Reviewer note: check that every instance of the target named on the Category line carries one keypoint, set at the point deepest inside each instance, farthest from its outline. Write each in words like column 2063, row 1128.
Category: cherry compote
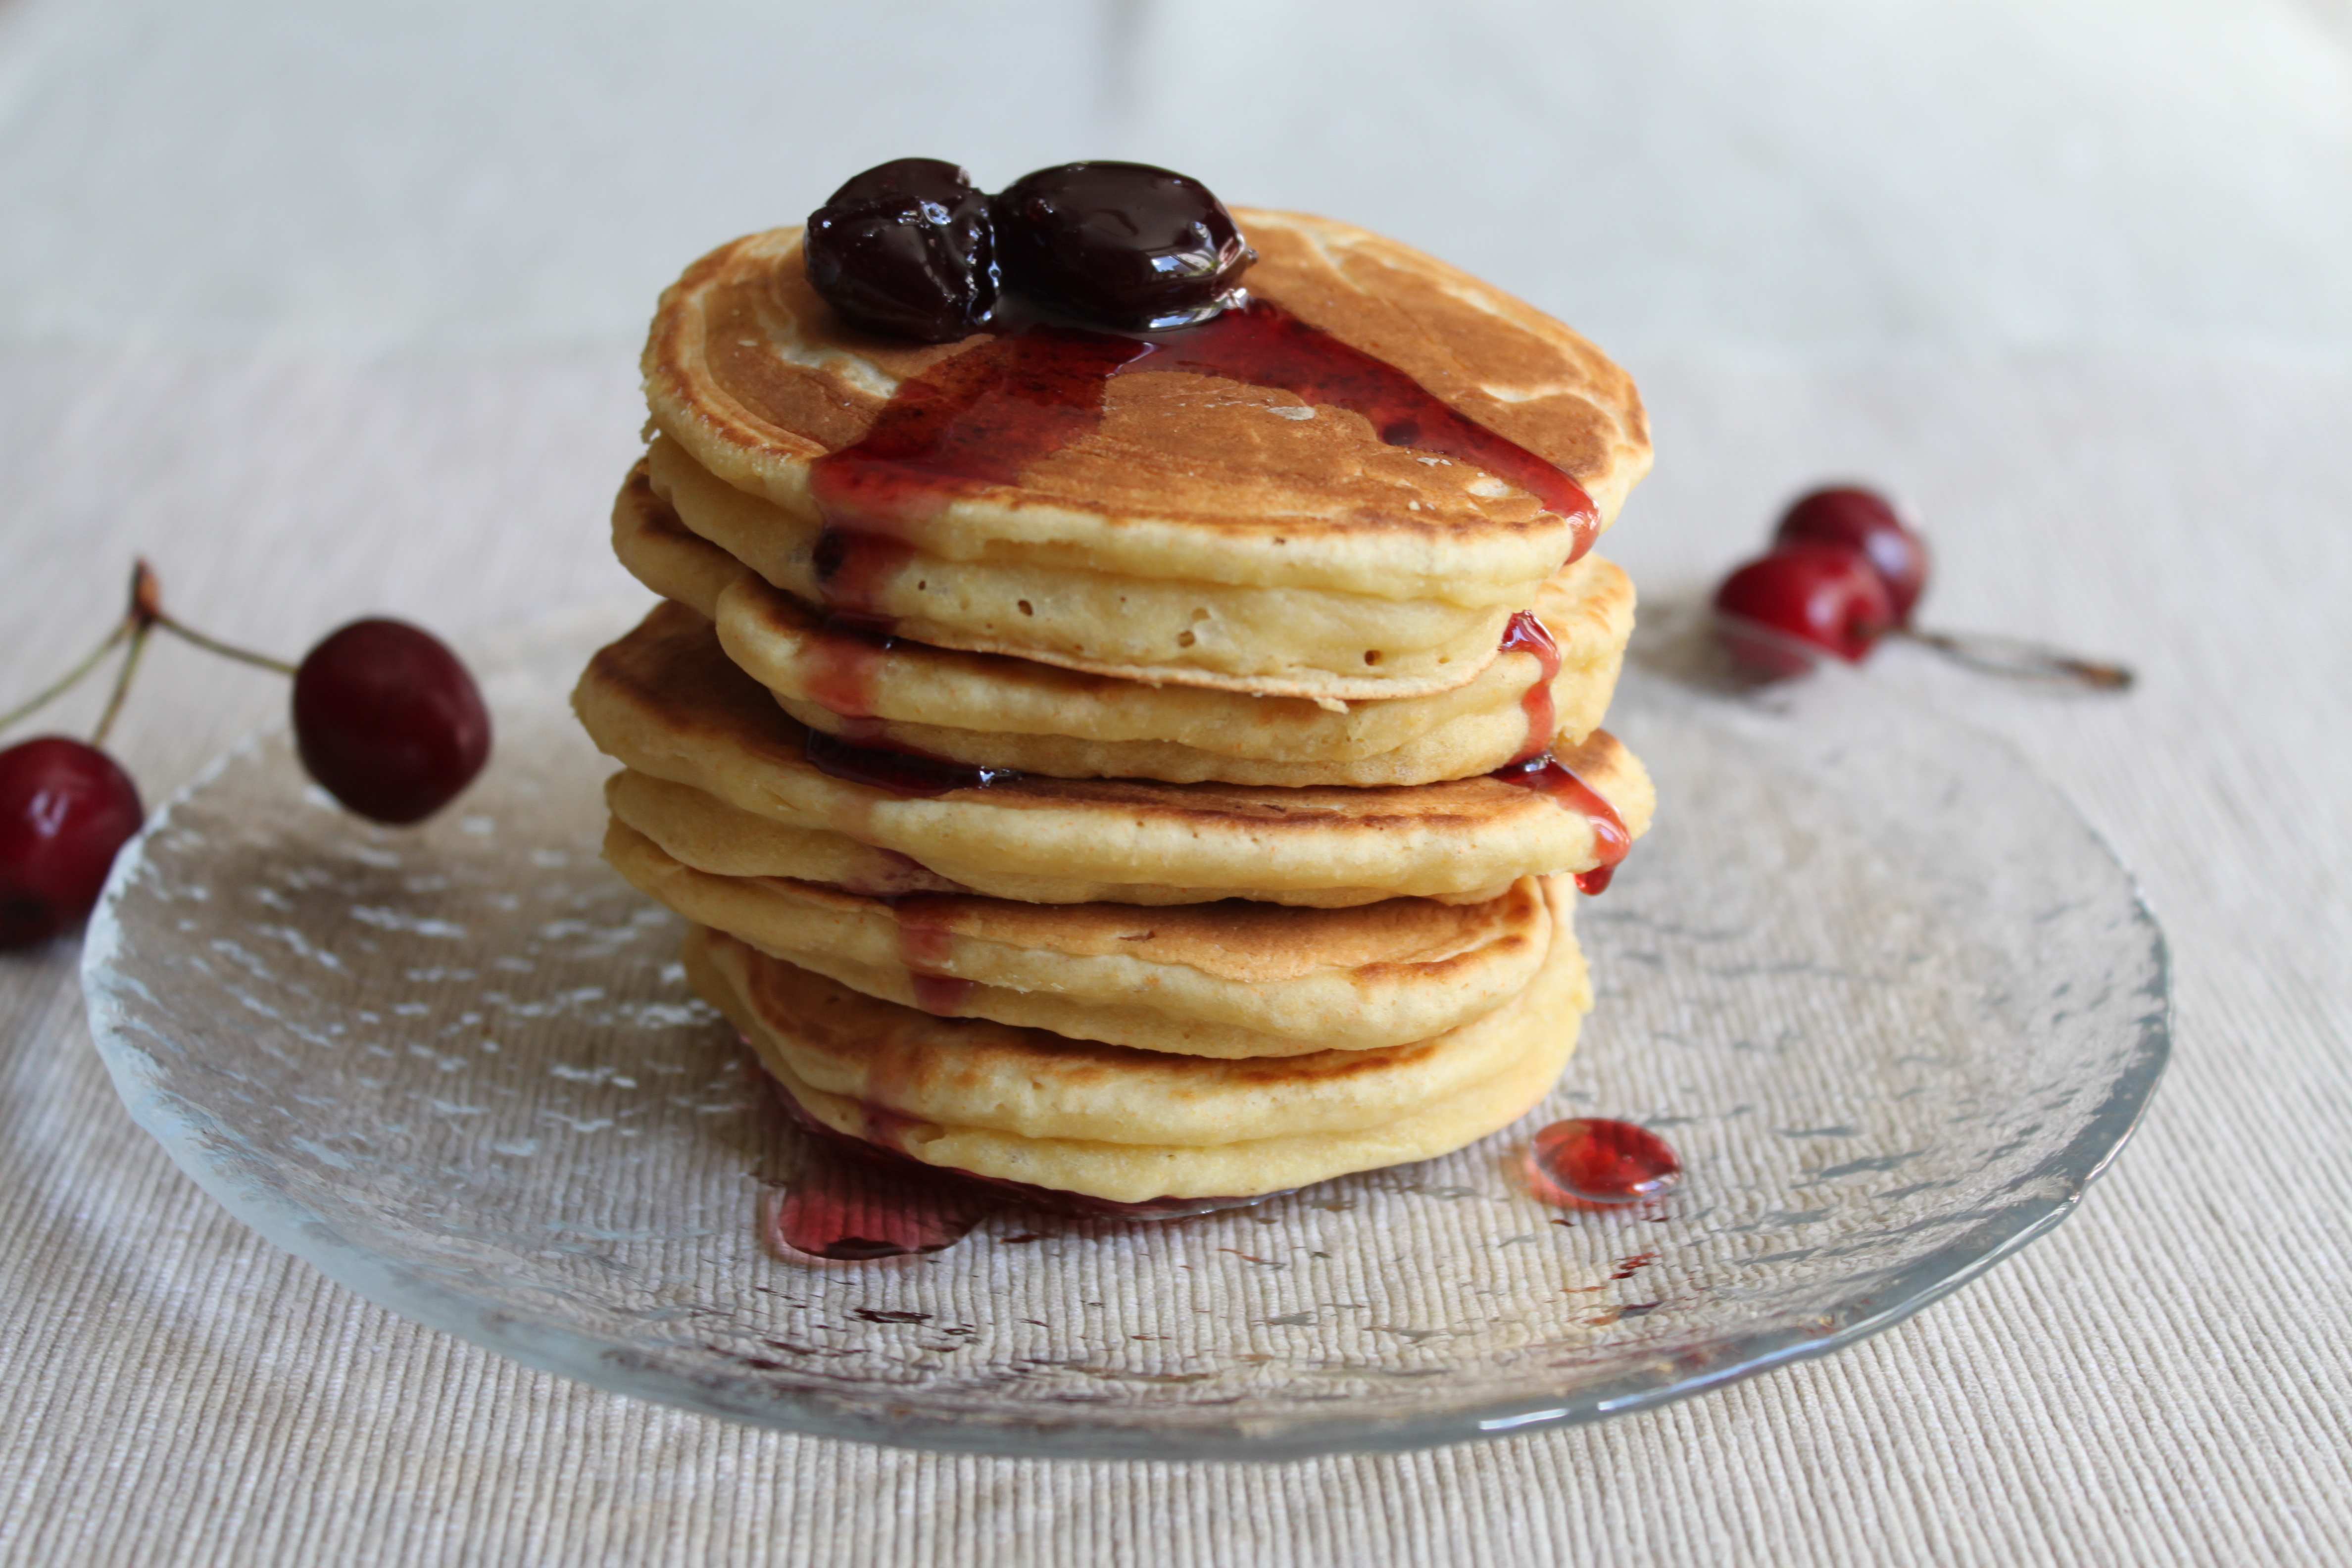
column 856, row 1199
column 1546, row 774
column 906, row 250
column 1851, row 518
column 388, row 721
column 1592, row 1162
column 64, row 809
column 1525, row 634
column 1125, row 246
column 1804, row 595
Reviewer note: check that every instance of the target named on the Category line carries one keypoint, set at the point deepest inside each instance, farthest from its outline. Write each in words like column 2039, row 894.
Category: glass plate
column 1892, row 1000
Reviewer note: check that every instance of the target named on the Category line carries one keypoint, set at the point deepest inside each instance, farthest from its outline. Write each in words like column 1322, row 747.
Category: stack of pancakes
column 1139, row 816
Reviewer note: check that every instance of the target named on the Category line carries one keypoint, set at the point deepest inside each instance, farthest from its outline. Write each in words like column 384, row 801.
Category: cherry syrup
column 854, row 1200
column 843, row 662
column 897, row 770
column 1547, row 775
column 1031, row 388
column 1525, row 634
column 1592, row 1162
column 924, row 940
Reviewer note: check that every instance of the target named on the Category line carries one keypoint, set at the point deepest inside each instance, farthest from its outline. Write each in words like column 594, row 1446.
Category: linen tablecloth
column 2163, row 474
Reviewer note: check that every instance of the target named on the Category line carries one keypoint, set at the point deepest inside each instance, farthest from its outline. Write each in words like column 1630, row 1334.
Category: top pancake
column 1190, row 477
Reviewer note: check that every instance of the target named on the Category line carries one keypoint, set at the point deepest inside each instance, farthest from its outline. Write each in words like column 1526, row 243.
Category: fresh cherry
column 1120, row 245
column 64, row 809
column 1817, row 594
column 1864, row 521
column 905, row 249
column 388, row 721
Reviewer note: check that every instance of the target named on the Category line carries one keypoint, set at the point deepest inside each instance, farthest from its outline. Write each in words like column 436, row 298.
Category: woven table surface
column 334, row 314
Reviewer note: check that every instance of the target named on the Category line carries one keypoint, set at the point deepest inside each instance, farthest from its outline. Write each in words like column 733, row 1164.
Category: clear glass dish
column 1888, row 996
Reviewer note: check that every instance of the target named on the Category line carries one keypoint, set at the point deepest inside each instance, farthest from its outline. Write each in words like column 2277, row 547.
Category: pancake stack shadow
column 1183, row 803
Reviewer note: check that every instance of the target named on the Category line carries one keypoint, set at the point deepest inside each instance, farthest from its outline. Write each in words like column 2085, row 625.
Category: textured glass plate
column 1889, row 996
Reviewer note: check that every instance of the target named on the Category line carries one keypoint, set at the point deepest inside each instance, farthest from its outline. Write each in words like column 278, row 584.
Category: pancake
column 1202, row 530
column 1227, row 980
column 666, row 700
column 1024, row 1105
column 698, row 830
column 994, row 712
column 1294, row 642
column 706, row 833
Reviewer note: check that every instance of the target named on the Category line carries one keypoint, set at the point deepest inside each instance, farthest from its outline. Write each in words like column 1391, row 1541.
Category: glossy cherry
column 1802, row 594
column 388, row 721
column 906, row 250
column 1120, row 245
column 1865, row 521
column 1595, row 1162
column 64, row 809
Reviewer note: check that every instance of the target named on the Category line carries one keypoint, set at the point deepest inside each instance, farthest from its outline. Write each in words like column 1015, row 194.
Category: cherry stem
column 226, row 650
column 139, row 630
column 71, row 678
column 2020, row 660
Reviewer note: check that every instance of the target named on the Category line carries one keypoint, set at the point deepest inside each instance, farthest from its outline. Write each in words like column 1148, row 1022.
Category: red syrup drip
column 1546, row 774
column 1525, row 634
column 925, row 941
column 853, row 1200
column 898, row 770
column 1590, row 1163
column 842, row 665
column 981, row 419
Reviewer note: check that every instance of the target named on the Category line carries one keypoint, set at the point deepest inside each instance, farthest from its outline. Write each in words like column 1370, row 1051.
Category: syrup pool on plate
column 1594, row 1163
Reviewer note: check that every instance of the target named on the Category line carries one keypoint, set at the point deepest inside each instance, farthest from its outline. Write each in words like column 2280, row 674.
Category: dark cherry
column 906, row 250
column 1802, row 594
column 1865, row 521
column 64, row 809
column 1594, row 1162
column 1120, row 245
column 388, row 721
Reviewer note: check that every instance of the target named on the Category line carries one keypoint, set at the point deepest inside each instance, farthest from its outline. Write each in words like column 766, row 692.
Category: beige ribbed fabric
column 2163, row 1380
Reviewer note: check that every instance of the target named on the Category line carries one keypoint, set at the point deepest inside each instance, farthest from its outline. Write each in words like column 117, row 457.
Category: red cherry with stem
column 1864, row 521
column 64, row 809
column 388, row 721
column 1802, row 594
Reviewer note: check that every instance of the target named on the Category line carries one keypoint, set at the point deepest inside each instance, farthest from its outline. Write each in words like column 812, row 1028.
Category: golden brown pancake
column 995, row 711
column 1028, row 1106
column 1232, row 979
column 1257, row 536
column 666, row 700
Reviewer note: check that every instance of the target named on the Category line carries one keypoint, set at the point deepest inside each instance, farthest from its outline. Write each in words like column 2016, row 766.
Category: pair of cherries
column 1844, row 571
column 385, row 718
column 911, row 249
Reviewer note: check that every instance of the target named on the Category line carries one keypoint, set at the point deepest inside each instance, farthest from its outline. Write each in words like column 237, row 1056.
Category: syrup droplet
column 1525, row 634
column 842, row 1206
column 854, row 1199
column 853, row 566
column 924, row 942
column 1547, row 775
column 898, row 770
column 1594, row 1162
column 841, row 666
